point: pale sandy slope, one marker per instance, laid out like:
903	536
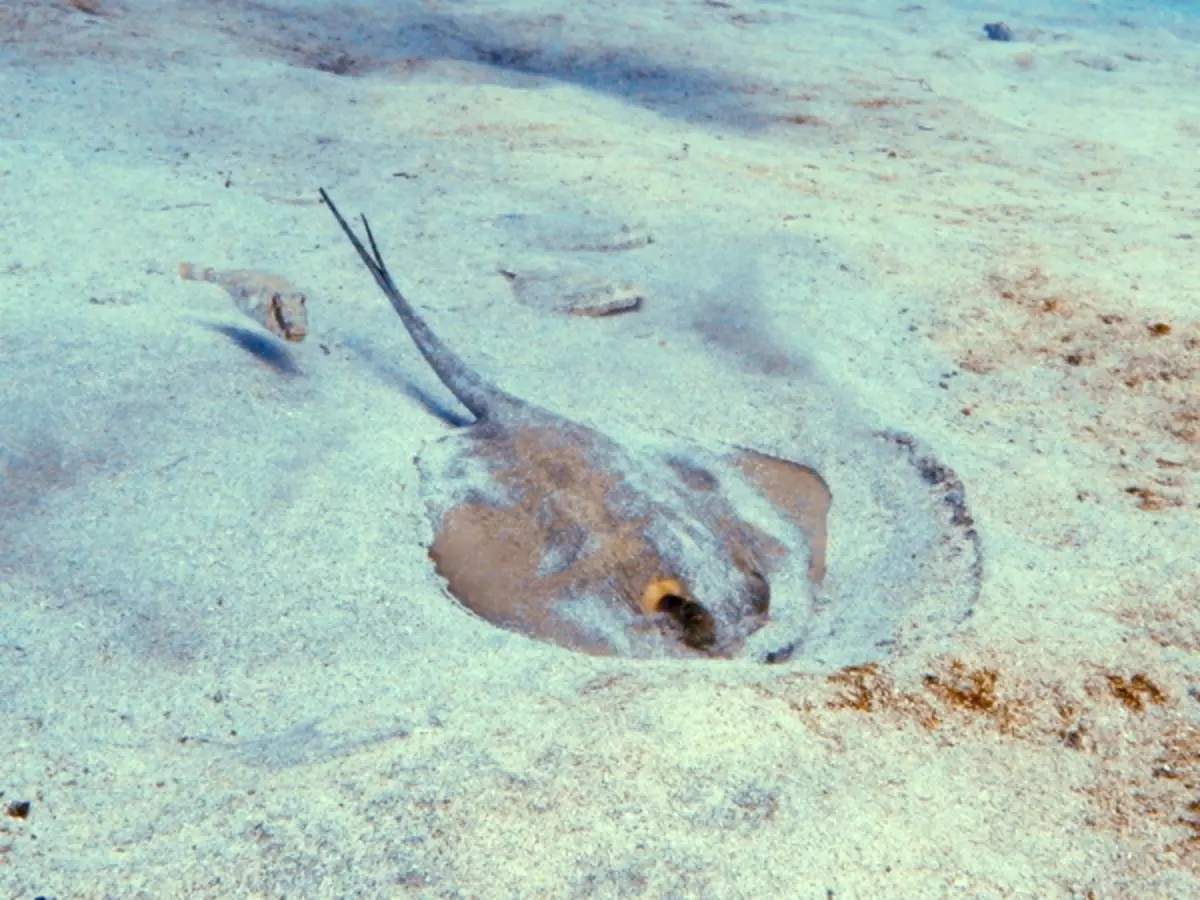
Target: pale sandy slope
226	668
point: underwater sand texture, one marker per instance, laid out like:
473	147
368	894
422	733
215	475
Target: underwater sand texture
227	667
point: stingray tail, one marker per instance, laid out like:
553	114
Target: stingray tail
485	401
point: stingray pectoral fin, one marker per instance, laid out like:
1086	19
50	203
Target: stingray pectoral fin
800	495
490	565
493	561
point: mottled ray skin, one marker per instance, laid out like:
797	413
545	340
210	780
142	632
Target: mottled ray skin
549	528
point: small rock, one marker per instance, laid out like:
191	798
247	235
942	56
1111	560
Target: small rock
574	294
998	31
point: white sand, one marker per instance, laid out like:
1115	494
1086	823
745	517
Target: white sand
226	667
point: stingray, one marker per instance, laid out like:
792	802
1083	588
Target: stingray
550	528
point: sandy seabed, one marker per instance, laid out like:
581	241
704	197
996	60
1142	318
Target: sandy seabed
227	668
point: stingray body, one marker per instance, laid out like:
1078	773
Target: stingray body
552	529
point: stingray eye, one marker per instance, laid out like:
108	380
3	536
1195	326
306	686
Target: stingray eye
659	589
669	596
